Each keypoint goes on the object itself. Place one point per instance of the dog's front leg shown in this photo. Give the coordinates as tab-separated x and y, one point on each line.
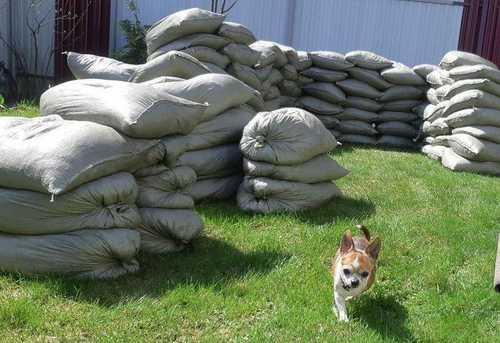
340	308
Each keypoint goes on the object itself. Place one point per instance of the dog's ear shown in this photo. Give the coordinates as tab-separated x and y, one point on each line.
373	248
347	243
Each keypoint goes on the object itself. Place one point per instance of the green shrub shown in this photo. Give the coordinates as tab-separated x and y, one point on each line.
134	51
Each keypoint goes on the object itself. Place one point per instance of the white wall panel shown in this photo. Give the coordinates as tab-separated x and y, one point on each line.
408	31
4	30
268	20
23	13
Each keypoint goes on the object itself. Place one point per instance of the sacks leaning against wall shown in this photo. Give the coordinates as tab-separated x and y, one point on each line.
357	83
286	163
211	149
365	98
174	63
231	48
175	188
136	110
462	120
149	111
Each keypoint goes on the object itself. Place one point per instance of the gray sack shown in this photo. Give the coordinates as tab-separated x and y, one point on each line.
263	195
108	202
52	155
86	254
286	136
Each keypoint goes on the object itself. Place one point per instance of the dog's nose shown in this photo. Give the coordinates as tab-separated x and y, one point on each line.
355	283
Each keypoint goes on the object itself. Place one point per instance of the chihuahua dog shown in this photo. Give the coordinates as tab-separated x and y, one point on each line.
353	269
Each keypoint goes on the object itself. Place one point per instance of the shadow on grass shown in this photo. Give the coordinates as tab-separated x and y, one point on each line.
385	315
338	209
209	263
348	148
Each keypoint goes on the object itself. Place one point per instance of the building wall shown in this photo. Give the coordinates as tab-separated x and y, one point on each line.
4	30
24	12
409	31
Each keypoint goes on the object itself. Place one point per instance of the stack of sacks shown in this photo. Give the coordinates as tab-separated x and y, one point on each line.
397	123
463	123
193	31
203	35
280	65
364	87
364	98
142	111
422	70
211	149
172	64
194	42
286	163
323	97
65	204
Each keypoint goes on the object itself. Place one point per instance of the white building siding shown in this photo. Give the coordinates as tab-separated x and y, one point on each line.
4	30
408	31
268	20
23	13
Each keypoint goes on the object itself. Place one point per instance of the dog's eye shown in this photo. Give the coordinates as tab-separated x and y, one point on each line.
364	274
347	271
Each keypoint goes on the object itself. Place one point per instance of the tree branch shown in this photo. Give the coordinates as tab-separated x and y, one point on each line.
230	7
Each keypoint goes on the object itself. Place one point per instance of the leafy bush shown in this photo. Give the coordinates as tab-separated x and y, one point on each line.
134	51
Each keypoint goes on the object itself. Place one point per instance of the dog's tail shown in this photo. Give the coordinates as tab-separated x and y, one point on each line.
365	231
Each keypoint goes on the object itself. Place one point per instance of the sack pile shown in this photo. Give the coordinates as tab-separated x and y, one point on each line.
364	98
286	163
462	121
172	64
66	203
211	149
146	113
278	67
227	47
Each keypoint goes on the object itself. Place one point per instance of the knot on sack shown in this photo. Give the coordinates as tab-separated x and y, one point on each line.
260	141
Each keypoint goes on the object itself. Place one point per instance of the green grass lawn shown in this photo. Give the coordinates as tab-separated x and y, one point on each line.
265	278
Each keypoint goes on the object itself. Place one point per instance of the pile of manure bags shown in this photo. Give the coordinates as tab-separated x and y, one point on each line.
286	163
211	148
365	98
194	42
67	197
462	121
146	112
120	156
197	122
227	47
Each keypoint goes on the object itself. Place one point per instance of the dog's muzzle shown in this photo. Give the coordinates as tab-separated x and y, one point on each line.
344	285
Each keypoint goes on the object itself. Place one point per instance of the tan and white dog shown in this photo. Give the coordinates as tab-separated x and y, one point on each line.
353	269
